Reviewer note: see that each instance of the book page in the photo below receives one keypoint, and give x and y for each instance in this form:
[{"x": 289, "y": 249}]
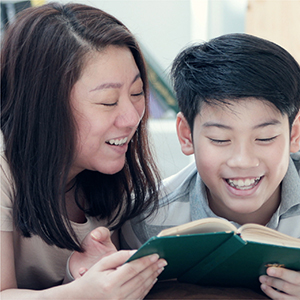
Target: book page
[
  {"x": 262, "y": 234},
  {"x": 206, "y": 225}
]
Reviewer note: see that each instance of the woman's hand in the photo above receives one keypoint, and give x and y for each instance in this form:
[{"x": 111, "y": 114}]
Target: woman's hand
[
  {"x": 110, "y": 278},
  {"x": 101, "y": 271},
  {"x": 281, "y": 283},
  {"x": 97, "y": 244}
]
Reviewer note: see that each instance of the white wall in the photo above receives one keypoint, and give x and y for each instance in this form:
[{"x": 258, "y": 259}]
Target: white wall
[
  {"x": 169, "y": 157},
  {"x": 164, "y": 27}
]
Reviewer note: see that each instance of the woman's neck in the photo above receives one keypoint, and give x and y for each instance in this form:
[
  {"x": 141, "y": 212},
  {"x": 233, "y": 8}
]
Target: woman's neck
[{"x": 75, "y": 213}]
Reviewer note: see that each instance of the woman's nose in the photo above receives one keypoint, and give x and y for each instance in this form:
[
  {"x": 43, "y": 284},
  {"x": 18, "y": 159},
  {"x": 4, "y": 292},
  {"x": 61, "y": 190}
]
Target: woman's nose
[{"x": 130, "y": 115}]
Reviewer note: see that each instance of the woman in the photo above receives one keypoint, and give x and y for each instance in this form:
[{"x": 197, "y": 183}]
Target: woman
[{"x": 73, "y": 119}]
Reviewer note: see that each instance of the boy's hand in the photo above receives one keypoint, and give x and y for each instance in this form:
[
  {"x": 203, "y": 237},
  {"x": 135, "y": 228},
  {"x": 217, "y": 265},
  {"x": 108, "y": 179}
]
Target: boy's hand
[{"x": 281, "y": 283}]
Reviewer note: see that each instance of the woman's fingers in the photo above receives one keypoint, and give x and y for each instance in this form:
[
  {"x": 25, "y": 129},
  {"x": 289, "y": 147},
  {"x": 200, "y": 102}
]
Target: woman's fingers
[
  {"x": 102, "y": 235},
  {"x": 114, "y": 278},
  {"x": 139, "y": 286},
  {"x": 135, "y": 278},
  {"x": 97, "y": 244},
  {"x": 117, "y": 259}
]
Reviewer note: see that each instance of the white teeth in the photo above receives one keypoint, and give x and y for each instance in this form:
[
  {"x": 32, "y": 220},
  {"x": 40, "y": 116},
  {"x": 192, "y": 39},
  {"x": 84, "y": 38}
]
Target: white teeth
[
  {"x": 118, "y": 142},
  {"x": 242, "y": 184}
]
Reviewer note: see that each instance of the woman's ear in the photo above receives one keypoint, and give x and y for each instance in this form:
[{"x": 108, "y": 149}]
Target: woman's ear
[
  {"x": 184, "y": 134},
  {"x": 295, "y": 134}
]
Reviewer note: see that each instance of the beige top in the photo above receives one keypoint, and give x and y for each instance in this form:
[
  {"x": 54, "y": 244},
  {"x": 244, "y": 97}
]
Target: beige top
[{"x": 38, "y": 265}]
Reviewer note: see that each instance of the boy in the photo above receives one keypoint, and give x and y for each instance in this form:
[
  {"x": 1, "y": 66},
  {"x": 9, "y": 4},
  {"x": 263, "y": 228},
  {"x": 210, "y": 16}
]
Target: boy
[{"x": 239, "y": 100}]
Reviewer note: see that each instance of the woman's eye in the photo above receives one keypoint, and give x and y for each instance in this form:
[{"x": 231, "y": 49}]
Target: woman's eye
[
  {"x": 138, "y": 94},
  {"x": 267, "y": 140},
  {"x": 109, "y": 104}
]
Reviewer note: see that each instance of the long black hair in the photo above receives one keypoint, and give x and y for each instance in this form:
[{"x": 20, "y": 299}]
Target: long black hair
[{"x": 42, "y": 56}]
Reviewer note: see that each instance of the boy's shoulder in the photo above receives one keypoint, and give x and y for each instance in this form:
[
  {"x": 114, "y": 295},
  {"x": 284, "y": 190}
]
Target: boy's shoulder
[
  {"x": 178, "y": 184},
  {"x": 296, "y": 159},
  {"x": 287, "y": 217}
]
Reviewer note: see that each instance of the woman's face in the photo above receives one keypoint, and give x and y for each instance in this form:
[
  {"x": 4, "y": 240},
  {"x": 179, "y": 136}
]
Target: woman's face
[{"x": 108, "y": 103}]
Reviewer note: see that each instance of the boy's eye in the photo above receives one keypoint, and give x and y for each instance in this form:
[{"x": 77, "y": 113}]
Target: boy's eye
[
  {"x": 267, "y": 140},
  {"x": 220, "y": 142}
]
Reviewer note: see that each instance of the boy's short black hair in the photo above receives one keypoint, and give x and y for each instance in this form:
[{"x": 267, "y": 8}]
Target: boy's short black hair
[{"x": 236, "y": 66}]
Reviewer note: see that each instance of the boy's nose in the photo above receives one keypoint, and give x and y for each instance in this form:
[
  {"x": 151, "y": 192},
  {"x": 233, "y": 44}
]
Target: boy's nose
[{"x": 244, "y": 157}]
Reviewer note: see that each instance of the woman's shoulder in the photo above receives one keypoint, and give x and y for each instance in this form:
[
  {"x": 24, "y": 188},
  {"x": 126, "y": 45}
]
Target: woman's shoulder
[
  {"x": 6, "y": 193},
  {"x": 2, "y": 144},
  {"x": 6, "y": 182},
  {"x": 4, "y": 166},
  {"x": 4, "y": 169}
]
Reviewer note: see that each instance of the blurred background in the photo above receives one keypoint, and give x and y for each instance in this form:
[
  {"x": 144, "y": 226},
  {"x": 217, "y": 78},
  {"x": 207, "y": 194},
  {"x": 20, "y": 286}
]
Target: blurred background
[{"x": 165, "y": 27}]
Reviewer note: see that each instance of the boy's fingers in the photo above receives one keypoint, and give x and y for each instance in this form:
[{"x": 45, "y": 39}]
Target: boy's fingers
[
  {"x": 269, "y": 291},
  {"x": 283, "y": 280},
  {"x": 287, "y": 275}
]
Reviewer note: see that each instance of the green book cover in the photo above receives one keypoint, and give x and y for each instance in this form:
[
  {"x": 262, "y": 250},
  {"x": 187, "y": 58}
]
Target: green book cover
[
  {"x": 219, "y": 258},
  {"x": 244, "y": 266}
]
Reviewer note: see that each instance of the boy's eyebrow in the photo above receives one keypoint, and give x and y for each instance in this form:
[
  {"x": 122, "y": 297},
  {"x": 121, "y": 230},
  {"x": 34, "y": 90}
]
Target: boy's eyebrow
[
  {"x": 223, "y": 126},
  {"x": 113, "y": 85},
  {"x": 215, "y": 124},
  {"x": 268, "y": 123}
]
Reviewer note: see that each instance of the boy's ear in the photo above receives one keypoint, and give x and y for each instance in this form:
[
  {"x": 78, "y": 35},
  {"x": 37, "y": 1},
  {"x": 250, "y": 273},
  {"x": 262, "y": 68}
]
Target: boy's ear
[
  {"x": 295, "y": 135},
  {"x": 184, "y": 134}
]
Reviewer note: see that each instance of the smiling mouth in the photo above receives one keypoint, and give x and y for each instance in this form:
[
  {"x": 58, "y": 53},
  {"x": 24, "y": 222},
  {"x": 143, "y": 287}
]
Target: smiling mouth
[
  {"x": 117, "y": 142},
  {"x": 244, "y": 184}
]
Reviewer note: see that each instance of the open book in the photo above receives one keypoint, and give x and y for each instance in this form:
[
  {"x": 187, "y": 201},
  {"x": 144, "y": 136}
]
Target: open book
[{"x": 214, "y": 252}]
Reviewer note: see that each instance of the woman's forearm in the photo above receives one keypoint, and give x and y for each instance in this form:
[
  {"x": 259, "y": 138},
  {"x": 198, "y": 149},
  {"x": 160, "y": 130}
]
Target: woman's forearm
[{"x": 66, "y": 291}]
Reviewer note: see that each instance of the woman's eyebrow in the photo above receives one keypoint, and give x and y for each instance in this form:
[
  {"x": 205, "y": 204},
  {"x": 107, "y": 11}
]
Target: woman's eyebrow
[
  {"x": 108, "y": 85},
  {"x": 113, "y": 85}
]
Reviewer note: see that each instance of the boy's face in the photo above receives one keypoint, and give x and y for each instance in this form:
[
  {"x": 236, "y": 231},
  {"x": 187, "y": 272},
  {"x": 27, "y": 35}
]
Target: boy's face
[{"x": 242, "y": 154}]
